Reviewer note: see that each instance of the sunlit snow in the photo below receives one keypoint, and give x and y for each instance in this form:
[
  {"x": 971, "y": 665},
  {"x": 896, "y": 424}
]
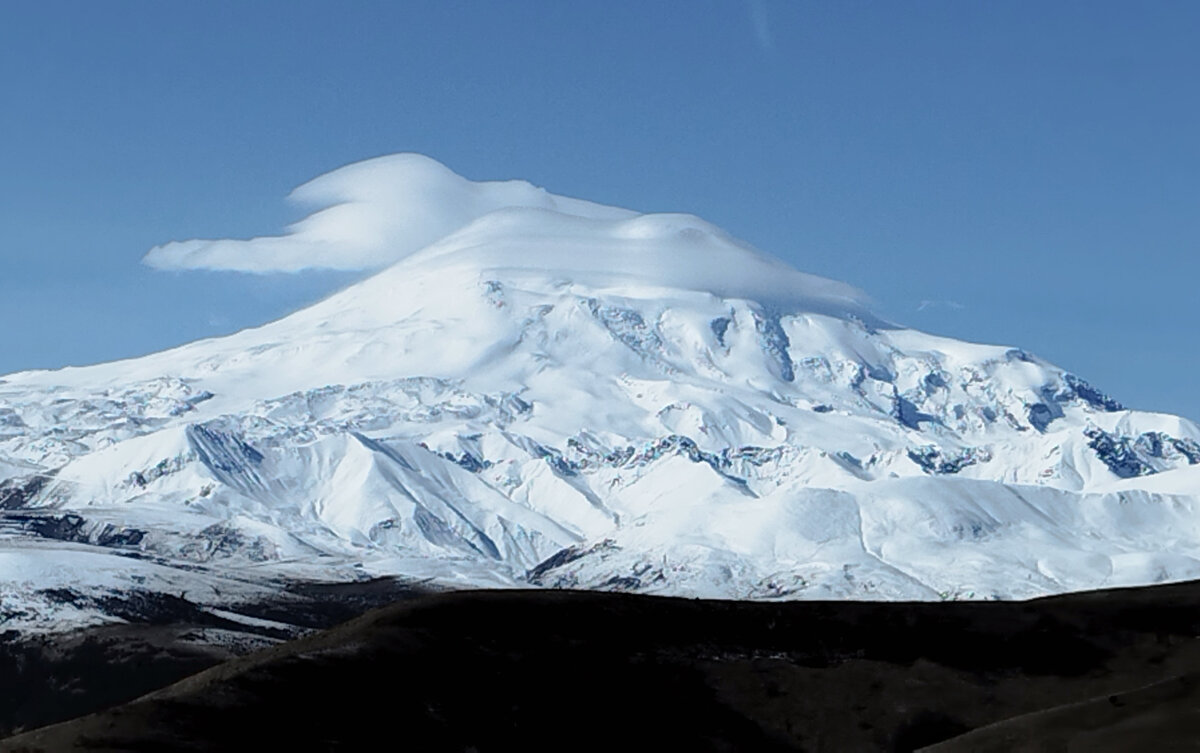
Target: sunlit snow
[{"x": 545, "y": 391}]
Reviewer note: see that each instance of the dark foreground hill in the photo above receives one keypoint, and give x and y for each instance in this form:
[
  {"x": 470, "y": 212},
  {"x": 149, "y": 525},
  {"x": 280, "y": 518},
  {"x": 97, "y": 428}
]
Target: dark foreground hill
[
  {"x": 569, "y": 671},
  {"x": 162, "y": 638}
]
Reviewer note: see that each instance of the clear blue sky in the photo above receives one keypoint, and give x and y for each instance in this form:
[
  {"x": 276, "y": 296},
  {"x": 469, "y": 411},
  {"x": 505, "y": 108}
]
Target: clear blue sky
[{"x": 1028, "y": 170}]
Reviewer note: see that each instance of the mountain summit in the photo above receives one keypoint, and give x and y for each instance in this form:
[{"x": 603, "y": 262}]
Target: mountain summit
[{"x": 545, "y": 391}]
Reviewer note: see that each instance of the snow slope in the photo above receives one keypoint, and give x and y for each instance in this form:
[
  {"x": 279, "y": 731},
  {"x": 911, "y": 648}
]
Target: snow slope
[{"x": 553, "y": 392}]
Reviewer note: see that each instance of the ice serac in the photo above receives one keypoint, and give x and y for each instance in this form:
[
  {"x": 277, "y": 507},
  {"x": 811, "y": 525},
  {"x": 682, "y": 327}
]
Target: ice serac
[{"x": 555, "y": 393}]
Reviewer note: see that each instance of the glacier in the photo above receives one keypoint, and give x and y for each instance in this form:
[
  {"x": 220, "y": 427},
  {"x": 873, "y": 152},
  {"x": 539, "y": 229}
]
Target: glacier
[{"x": 544, "y": 392}]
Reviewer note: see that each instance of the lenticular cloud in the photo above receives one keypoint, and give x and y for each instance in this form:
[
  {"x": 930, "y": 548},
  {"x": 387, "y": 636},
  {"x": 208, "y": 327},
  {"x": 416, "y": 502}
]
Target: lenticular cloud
[{"x": 369, "y": 215}]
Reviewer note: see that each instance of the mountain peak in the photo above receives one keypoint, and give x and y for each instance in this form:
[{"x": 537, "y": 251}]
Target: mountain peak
[{"x": 537, "y": 390}]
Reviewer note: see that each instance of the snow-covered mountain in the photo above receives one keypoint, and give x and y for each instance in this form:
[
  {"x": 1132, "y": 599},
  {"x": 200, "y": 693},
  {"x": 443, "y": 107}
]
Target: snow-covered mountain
[{"x": 553, "y": 392}]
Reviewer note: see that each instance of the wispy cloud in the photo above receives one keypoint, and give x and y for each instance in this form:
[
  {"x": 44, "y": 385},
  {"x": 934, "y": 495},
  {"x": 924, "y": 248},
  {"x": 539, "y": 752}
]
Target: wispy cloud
[
  {"x": 928, "y": 304},
  {"x": 761, "y": 23}
]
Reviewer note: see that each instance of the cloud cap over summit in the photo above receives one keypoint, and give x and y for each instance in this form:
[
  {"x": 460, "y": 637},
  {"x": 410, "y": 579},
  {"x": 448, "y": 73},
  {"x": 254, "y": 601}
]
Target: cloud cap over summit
[{"x": 369, "y": 215}]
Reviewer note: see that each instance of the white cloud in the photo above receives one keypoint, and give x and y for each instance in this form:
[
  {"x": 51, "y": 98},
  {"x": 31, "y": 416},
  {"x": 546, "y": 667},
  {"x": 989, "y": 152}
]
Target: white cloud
[{"x": 369, "y": 215}]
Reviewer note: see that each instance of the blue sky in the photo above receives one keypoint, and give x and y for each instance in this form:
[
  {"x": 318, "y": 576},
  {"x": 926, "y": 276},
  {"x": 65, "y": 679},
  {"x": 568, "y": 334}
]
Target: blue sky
[{"x": 1024, "y": 173}]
